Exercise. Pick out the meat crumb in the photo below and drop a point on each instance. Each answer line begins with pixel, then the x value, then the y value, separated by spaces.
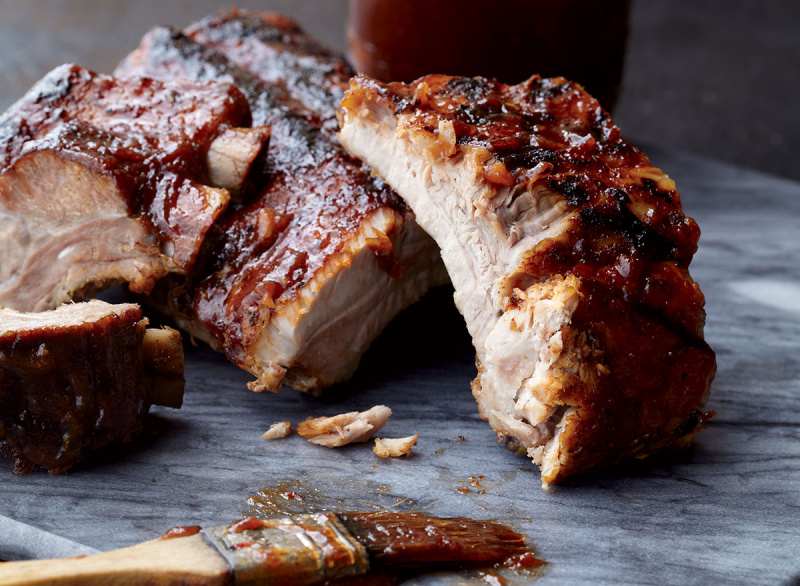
pixel 395 447
pixel 278 430
pixel 347 428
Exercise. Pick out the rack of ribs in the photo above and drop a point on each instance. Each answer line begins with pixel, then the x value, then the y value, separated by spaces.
pixel 79 378
pixel 569 255
pixel 298 280
pixel 104 181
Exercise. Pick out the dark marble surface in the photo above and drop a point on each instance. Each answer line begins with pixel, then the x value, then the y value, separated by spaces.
pixel 725 511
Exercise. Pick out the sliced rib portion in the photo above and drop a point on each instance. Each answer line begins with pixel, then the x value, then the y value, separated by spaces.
pixel 79 378
pixel 298 281
pixel 569 255
pixel 105 181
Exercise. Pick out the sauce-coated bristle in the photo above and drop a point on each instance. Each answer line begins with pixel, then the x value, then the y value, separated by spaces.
pixel 412 539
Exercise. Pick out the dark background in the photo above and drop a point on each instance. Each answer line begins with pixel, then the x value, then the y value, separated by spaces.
pixel 716 77
pixel 720 78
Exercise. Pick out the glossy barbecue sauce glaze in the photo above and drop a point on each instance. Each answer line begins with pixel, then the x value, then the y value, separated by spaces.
pixel 628 241
pixel 316 195
pixel 149 137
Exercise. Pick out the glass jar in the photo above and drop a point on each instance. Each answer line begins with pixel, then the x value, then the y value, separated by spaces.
pixel 510 40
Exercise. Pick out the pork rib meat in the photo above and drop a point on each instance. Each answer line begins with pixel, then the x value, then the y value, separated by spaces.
pixel 79 378
pixel 569 254
pixel 104 181
pixel 301 278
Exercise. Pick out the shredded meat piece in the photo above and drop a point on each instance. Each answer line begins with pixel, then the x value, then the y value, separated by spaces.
pixel 278 430
pixel 347 428
pixel 394 447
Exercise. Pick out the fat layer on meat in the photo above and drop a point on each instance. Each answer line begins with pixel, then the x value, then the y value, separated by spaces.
pixel 569 256
pixel 104 181
pixel 301 278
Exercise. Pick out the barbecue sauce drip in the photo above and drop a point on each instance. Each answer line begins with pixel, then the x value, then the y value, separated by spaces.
pixel 246 524
pixel 627 240
pixel 316 196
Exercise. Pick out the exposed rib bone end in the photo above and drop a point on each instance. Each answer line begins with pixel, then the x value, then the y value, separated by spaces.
pixel 162 353
pixel 233 156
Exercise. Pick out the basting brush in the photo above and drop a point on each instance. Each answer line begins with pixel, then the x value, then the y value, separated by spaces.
pixel 296 549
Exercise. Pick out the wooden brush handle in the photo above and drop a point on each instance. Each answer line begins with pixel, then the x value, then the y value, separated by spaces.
pixel 299 550
pixel 160 562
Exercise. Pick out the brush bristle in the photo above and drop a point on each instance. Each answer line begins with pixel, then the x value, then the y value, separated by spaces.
pixel 412 539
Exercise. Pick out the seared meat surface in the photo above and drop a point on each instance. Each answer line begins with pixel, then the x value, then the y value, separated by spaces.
pixel 569 254
pixel 105 181
pixel 80 377
pixel 279 52
pixel 298 280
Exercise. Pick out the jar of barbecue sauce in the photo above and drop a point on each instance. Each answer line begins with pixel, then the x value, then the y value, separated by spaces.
pixel 510 40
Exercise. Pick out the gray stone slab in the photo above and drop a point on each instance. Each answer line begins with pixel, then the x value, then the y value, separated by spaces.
pixel 725 511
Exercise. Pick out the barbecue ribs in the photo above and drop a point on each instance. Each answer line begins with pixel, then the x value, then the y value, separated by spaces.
pixel 105 181
pixel 569 254
pixel 81 377
pixel 298 280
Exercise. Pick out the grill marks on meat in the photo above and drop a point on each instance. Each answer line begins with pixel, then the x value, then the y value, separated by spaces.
pixel 79 378
pixel 300 279
pixel 105 181
pixel 275 49
pixel 569 253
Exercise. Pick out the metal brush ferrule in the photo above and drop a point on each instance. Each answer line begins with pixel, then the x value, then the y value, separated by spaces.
pixel 297 549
